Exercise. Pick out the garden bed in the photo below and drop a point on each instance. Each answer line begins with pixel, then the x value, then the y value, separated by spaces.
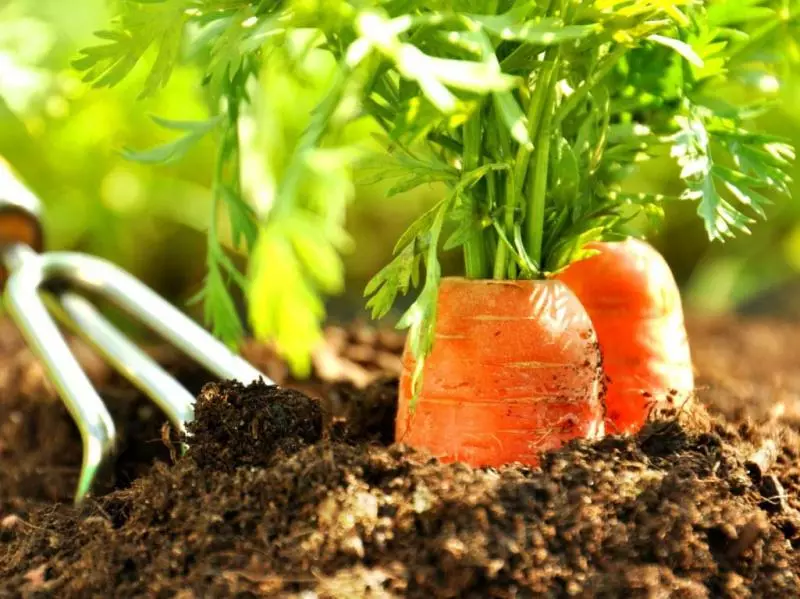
pixel 285 496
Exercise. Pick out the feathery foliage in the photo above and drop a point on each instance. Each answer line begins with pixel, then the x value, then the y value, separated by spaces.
pixel 532 114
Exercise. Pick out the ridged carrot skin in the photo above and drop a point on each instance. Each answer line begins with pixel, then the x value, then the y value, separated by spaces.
pixel 514 371
pixel 634 302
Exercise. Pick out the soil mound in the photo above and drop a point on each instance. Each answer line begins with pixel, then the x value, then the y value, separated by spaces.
pixel 237 426
pixel 285 496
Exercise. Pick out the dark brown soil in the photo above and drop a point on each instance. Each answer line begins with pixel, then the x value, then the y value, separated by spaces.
pixel 284 496
pixel 239 426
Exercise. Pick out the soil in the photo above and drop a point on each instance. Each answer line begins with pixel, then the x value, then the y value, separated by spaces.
pixel 288 494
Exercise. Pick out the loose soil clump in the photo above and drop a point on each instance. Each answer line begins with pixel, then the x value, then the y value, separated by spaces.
pixel 237 426
pixel 280 495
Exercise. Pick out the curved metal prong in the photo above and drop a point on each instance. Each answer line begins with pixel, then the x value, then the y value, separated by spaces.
pixel 141 302
pixel 136 366
pixel 27 310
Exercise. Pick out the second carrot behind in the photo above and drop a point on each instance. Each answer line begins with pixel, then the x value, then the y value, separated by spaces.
pixel 635 305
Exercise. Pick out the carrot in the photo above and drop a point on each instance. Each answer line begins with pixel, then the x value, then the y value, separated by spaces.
pixel 635 306
pixel 514 370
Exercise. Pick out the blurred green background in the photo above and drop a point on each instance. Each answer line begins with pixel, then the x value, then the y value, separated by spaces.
pixel 65 140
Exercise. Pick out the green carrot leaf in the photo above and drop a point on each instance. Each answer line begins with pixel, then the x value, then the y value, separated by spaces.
pixel 283 302
pixel 219 309
pixel 542 32
pixel 726 14
pixel 140 27
pixel 175 150
pixel 680 47
pixel 420 318
pixel 244 223
pixel 762 167
pixel 396 278
pixel 466 219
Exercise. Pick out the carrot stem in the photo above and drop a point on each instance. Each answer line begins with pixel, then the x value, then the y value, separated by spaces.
pixel 538 175
pixel 474 248
pixel 501 256
pixel 510 201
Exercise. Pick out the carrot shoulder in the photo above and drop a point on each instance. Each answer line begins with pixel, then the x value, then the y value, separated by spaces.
pixel 635 305
pixel 514 370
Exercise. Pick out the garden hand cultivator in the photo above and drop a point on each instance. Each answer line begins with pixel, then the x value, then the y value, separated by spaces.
pixel 29 275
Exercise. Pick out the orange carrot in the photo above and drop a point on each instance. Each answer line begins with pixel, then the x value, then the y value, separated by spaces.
pixel 635 306
pixel 514 370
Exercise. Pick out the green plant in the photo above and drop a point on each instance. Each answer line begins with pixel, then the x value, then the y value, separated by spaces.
pixel 532 114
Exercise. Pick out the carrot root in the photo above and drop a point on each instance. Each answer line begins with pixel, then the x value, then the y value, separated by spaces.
pixel 514 371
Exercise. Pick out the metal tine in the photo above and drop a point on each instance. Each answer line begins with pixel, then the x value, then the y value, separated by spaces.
pixel 141 302
pixel 127 358
pixel 27 310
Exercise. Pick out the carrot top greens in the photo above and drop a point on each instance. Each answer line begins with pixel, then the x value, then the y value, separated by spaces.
pixel 533 115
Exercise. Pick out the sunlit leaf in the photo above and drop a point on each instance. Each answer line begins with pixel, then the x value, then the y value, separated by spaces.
pixel 243 219
pixel 177 149
pixel 283 304
pixel 543 32
pixel 680 47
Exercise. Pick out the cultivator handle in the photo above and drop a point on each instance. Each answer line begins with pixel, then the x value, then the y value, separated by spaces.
pixel 28 274
pixel 20 215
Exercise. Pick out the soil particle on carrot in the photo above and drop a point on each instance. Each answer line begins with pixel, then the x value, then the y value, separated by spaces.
pixel 672 511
